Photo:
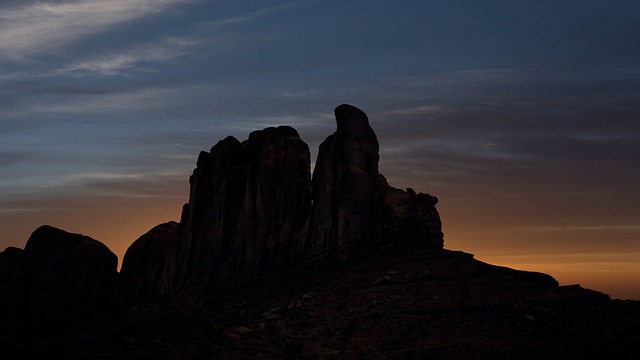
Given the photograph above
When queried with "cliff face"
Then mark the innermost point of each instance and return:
(248, 202)
(253, 207)
(354, 208)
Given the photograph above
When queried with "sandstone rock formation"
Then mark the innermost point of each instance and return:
(247, 204)
(253, 207)
(57, 275)
(149, 265)
(354, 207)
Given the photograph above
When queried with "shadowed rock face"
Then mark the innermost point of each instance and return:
(210, 218)
(345, 193)
(275, 202)
(354, 208)
(253, 207)
(59, 274)
(247, 204)
(149, 264)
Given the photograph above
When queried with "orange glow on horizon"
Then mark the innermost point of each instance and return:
(610, 271)
(569, 257)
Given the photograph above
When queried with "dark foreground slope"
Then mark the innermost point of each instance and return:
(397, 303)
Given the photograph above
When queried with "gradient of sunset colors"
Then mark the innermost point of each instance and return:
(522, 117)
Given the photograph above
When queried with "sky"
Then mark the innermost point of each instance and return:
(521, 116)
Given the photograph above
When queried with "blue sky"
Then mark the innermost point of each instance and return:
(520, 116)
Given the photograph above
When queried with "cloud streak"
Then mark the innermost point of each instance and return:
(164, 50)
(250, 15)
(36, 27)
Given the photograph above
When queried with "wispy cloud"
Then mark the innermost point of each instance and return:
(251, 15)
(164, 50)
(37, 27)
(123, 102)
(150, 183)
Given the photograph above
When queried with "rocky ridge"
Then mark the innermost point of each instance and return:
(268, 261)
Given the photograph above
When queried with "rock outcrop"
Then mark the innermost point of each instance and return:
(247, 204)
(253, 207)
(149, 265)
(353, 205)
(57, 275)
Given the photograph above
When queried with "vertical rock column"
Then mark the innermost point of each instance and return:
(209, 220)
(247, 205)
(344, 183)
(276, 202)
